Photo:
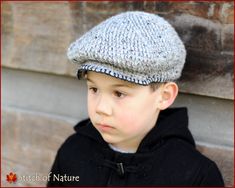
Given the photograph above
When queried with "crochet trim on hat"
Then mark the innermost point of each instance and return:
(110, 71)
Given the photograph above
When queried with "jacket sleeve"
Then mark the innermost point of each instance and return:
(213, 177)
(55, 170)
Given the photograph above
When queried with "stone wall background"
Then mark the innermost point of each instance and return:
(42, 100)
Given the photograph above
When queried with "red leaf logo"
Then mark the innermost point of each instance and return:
(11, 178)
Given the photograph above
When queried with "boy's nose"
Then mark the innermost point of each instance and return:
(103, 107)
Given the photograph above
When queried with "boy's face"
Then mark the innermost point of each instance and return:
(122, 112)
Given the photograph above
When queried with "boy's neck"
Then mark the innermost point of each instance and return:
(121, 150)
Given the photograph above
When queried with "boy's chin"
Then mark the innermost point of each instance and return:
(109, 139)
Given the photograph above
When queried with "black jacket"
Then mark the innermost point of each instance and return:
(165, 157)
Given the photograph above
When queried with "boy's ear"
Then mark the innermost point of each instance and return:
(169, 92)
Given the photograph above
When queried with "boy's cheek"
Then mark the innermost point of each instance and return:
(127, 120)
(91, 111)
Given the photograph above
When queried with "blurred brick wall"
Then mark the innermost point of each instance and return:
(35, 37)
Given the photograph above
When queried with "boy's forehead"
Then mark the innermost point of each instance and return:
(101, 78)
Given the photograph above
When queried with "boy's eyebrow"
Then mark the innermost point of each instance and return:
(114, 85)
(88, 79)
(121, 85)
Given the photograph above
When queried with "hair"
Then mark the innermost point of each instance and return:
(155, 85)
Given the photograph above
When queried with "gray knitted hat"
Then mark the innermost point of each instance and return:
(134, 46)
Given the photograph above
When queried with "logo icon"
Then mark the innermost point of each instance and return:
(11, 177)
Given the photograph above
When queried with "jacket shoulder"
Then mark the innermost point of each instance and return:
(200, 169)
(75, 144)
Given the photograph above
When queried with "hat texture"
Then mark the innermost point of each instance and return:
(135, 46)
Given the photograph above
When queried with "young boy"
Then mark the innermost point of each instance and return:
(130, 63)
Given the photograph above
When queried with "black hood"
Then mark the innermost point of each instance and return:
(165, 157)
(172, 123)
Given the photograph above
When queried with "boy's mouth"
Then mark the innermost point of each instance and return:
(104, 127)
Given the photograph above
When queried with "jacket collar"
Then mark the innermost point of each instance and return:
(171, 123)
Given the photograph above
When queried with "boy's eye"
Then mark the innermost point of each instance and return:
(93, 89)
(118, 94)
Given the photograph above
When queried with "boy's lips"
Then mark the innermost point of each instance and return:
(104, 127)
